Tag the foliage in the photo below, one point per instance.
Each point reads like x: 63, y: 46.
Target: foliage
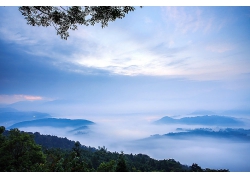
x: 65, y: 18
x: 19, y: 152
x: 107, y: 166
x: 196, y: 168
x: 121, y: 164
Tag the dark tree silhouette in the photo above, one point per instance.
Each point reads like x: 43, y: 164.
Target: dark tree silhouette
x: 77, y: 148
x: 19, y: 152
x: 65, y: 18
x: 196, y: 168
x: 121, y: 164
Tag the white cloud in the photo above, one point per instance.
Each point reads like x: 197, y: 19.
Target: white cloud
x: 16, y: 37
x: 159, y: 57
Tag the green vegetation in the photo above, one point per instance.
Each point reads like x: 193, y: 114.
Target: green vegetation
x: 22, y: 151
x: 19, y: 152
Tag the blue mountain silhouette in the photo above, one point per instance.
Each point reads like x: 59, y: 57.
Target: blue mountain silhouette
x: 53, y: 122
x: 202, y: 120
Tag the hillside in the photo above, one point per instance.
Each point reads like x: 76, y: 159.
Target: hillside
x: 64, y: 155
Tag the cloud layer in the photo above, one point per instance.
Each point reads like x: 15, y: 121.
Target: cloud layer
x: 191, y: 42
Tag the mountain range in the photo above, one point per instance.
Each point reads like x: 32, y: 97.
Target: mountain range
x: 212, y: 120
x: 231, y: 134
x: 53, y: 122
x: 10, y: 116
x: 76, y: 126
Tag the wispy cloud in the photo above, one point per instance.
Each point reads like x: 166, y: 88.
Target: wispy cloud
x: 167, y: 45
x: 186, y: 19
x: 220, y: 48
x: 195, y: 19
x: 16, y: 37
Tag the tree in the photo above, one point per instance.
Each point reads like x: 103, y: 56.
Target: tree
x: 2, y: 138
x: 77, y: 148
x: 106, y: 166
x: 196, y: 168
x: 121, y: 164
x: 65, y: 18
x: 19, y: 152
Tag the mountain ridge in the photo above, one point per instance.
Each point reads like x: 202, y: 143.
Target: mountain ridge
x: 201, y: 120
x: 10, y: 116
x: 53, y: 122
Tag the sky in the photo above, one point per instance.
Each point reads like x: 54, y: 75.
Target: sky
x: 158, y: 60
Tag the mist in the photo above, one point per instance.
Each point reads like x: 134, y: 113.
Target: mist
x: 133, y: 134
x: 207, y: 152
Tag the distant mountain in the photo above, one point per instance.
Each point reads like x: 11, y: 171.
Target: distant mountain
x: 54, y: 122
x: 166, y: 120
x: 9, y: 116
x: 228, y: 133
x: 202, y: 120
x: 80, y: 130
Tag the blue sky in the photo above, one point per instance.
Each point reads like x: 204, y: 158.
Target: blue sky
x: 157, y: 60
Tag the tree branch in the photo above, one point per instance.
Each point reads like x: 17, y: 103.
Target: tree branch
x: 41, y: 10
x: 63, y: 9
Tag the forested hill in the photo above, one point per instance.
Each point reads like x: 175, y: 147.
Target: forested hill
x: 22, y: 151
x: 49, y: 141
